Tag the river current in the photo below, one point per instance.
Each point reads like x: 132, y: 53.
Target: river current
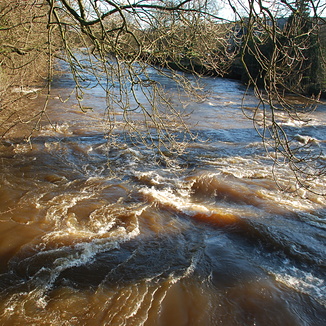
x: 98, y: 231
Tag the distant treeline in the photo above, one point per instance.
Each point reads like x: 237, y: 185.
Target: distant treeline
x: 301, y: 65
x: 292, y: 58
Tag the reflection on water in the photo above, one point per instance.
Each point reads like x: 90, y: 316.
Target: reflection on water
x: 103, y: 233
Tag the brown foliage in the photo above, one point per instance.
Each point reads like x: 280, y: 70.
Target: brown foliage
x: 23, y: 59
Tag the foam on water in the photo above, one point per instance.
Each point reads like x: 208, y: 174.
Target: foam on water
x: 98, y: 231
x: 183, y: 204
x: 302, y: 281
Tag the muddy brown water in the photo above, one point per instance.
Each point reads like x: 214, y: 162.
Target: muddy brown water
x: 100, y: 233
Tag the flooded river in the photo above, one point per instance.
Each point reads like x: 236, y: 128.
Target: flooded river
x: 98, y: 232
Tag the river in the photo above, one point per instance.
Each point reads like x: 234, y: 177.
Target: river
x: 98, y: 232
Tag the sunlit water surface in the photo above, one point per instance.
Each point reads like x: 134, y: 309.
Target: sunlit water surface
x: 96, y: 232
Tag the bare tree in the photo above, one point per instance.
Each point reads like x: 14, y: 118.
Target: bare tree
x: 286, y: 56
x: 119, y: 40
x: 115, y: 41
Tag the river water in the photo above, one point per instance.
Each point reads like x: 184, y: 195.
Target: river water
x: 101, y: 232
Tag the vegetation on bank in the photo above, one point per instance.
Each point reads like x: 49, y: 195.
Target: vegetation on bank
x: 293, y: 59
x: 251, y: 56
x: 24, y: 60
